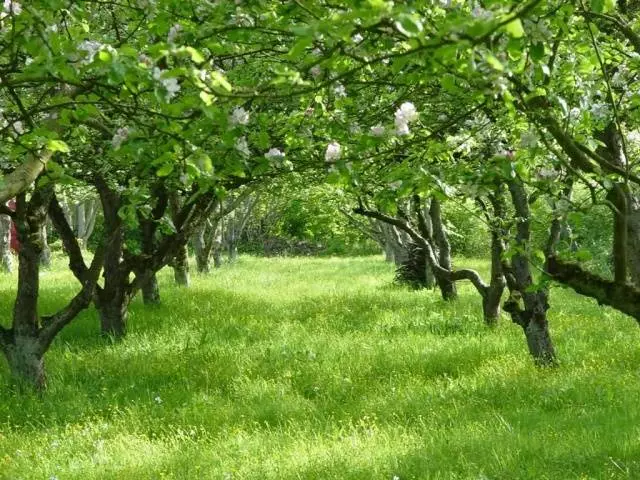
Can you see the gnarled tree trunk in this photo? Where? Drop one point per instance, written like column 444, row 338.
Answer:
column 441, row 240
column 527, row 304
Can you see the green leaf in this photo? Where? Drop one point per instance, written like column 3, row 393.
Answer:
column 219, row 80
column 165, row 170
column 207, row 98
column 494, row 62
column 537, row 51
column 409, row 25
column 515, row 28
column 195, row 55
column 58, row 146
column 104, row 56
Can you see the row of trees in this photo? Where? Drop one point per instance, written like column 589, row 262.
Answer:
column 172, row 111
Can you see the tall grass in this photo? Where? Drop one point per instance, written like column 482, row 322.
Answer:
column 321, row 369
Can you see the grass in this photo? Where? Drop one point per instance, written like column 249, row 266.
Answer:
column 321, row 369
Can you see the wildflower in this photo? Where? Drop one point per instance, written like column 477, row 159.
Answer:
column 158, row 400
column 333, row 152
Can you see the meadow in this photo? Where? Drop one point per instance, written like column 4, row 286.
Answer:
column 291, row 368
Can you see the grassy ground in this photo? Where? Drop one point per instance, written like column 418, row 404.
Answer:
column 320, row 369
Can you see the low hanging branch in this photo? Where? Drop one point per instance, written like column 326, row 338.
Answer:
column 621, row 296
column 455, row 275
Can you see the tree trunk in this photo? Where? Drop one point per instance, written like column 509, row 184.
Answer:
column 114, row 314
column 150, row 289
column 112, row 300
column 6, row 259
column 181, row 266
column 202, row 253
column 45, row 255
column 24, row 351
column 26, row 361
column 528, row 304
column 441, row 240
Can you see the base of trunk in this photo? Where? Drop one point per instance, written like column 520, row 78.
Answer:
column 539, row 342
column 181, row 276
column 26, row 363
column 151, row 291
column 113, row 320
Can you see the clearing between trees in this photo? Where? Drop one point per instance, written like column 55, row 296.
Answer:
column 321, row 368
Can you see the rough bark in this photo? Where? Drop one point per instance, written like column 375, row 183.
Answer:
column 150, row 289
column 441, row 240
column 527, row 304
column 202, row 253
column 180, row 260
column 6, row 258
column 30, row 336
column 181, row 267
column 112, row 300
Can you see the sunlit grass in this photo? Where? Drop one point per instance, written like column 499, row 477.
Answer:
column 320, row 368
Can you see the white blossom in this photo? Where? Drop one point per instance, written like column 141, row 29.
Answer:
column 28, row 61
column 242, row 146
column 481, row 14
column 274, row 154
column 396, row 185
column 316, row 71
column 333, row 152
column 91, row 48
column 357, row 38
column 377, row 131
column 171, row 84
column 340, row 91
column 18, row 127
column 158, row 400
column 119, row 138
column 173, row 33
column 239, row 116
column 11, row 6
column 633, row 137
column 405, row 115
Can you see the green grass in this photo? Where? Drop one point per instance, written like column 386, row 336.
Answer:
column 321, row 369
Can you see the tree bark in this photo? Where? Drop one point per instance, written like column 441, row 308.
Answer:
column 112, row 300
column 201, row 250
column 150, row 289
column 45, row 254
column 446, row 284
column 528, row 304
column 181, row 266
column 6, row 258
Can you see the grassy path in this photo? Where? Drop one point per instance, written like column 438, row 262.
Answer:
column 320, row 369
